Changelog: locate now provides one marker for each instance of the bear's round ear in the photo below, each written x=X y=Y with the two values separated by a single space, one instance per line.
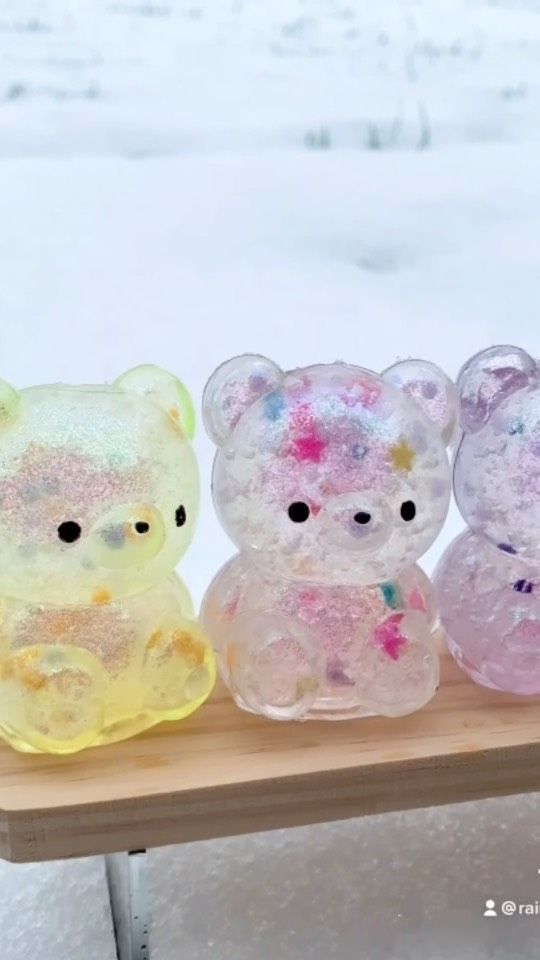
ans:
x=163 y=389
x=234 y=387
x=9 y=403
x=487 y=378
x=431 y=389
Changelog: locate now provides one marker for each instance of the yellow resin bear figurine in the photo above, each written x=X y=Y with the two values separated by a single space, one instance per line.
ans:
x=99 y=495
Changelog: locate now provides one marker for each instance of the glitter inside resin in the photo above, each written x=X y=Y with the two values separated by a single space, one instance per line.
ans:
x=99 y=495
x=488 y=580
x=332 y=481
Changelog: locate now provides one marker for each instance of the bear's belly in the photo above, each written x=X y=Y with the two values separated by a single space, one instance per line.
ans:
x=114 y=633
x=490 y=611
x=343 y=642
x=110 y=670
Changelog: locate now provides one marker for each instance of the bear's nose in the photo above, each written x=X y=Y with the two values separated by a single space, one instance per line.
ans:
x=359 y=526
x=131 y=534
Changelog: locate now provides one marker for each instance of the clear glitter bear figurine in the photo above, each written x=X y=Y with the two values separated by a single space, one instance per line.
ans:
x=488 y=580
x=332 y=481
x=99 y=494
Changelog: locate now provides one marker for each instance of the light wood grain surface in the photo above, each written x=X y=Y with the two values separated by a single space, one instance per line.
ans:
x=224 y=772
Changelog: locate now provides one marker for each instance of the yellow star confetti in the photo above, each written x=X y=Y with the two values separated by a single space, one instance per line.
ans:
x=402 y=456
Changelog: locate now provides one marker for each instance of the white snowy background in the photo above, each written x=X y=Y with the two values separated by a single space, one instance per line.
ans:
x=183 y=180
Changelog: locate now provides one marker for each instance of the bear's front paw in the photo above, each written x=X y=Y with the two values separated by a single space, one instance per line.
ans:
x=52 y=698
x=399 y=666
x=178 y=671
x=273 y=666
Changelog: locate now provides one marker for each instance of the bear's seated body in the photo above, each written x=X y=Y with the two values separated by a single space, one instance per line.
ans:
x=488 y=580
x=98 y=502
x=332 y=481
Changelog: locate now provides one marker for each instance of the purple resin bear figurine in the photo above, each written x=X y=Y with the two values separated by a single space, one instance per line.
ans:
x=332 y=481
x=488 y=580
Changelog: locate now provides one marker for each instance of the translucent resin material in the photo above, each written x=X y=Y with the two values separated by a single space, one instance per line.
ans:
x=488 y=580
x=332 y=481
x=99 y=495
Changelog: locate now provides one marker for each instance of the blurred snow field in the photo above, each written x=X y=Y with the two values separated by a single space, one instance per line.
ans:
x=142 y=77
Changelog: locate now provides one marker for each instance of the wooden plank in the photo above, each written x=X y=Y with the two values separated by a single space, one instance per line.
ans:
x=224 y=772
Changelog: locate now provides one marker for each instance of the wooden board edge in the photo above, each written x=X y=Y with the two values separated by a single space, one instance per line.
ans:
x=208 y=813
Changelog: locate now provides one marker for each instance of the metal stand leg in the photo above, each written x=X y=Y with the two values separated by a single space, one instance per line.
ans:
x=128 y=894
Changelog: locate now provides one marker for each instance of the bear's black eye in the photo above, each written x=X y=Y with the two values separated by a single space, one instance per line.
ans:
x=180 y=516
x=408 y=510
x=69 y=531
x=298 y=511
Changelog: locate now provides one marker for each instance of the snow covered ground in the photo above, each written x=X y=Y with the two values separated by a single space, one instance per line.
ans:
x=183 y=180
x=167 y=76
